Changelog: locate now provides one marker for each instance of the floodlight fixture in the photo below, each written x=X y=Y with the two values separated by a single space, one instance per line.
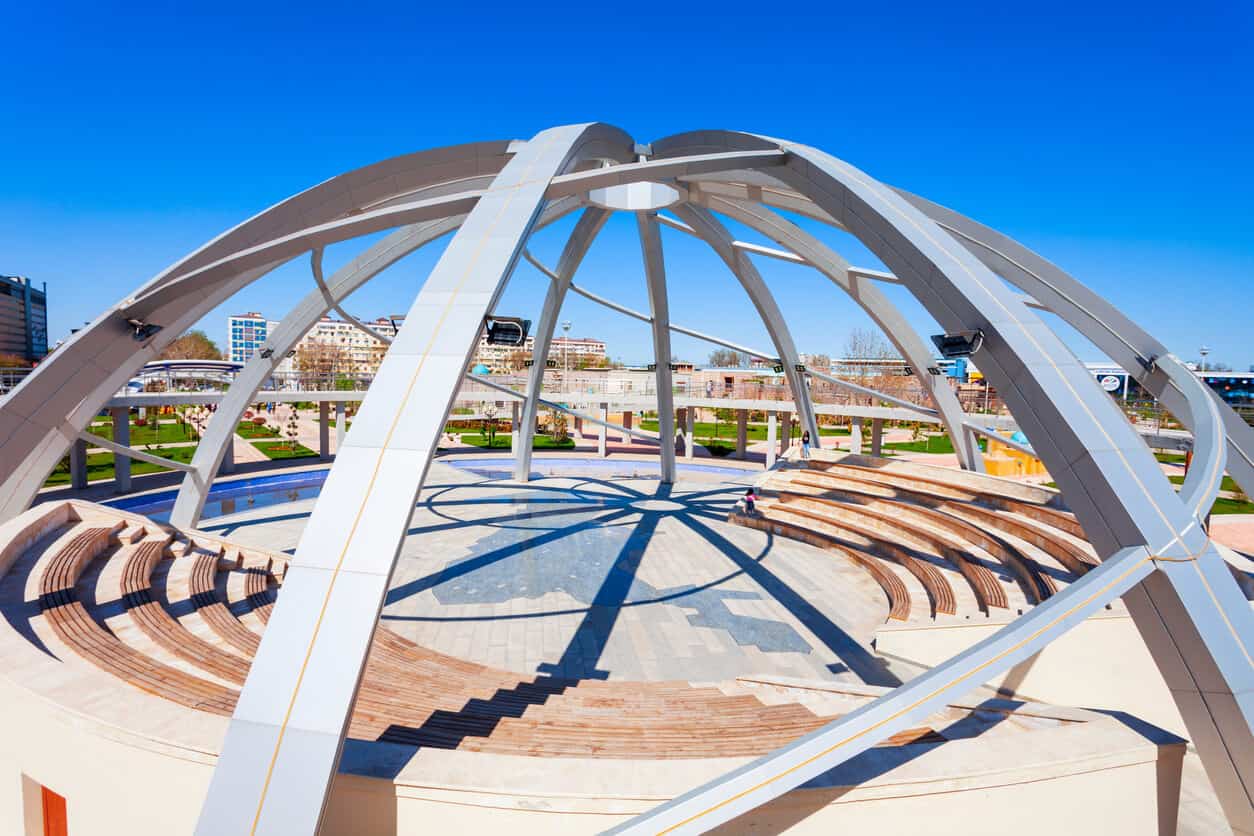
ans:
x=959 y=343
x=143 y=331
x=508 y=330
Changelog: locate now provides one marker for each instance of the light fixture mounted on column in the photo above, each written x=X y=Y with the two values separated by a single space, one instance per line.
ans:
x=959 y=343
x=143 y=331
x=507 y=330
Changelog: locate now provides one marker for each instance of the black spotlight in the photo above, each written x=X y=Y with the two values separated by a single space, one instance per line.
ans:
x=143 y=330
x=958 y=344
x=508 y=330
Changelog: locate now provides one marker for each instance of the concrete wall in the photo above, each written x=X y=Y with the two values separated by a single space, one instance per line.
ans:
x=118 y=784
x=1101 y=664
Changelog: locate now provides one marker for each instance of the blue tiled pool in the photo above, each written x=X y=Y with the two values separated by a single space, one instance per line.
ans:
x=261 y=491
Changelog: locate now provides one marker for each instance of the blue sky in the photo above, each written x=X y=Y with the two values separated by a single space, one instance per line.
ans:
x=1115 y=139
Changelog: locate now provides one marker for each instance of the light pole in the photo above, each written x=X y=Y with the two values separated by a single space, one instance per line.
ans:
x=1204 y=350
x=565 y=363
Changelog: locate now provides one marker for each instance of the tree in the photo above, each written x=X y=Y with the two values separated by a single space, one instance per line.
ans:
x=726 y=358
x=489 y=423
x=559 y=430
x=518 y=359
x=194 y=345
x=590 y=361
x=864 y=344
x=13 y=361
x=319 y=361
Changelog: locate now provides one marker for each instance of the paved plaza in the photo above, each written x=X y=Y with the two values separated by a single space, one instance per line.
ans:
x=610 y=578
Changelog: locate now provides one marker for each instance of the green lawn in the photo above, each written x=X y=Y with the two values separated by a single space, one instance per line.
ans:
x=150 y=433
x=727 y=429
x=1170 y=458
x=503 y=442
x=928 y=444
x=247 y=429
x=1228 y=484
x=100 y=465
x=1222 y=505
x=277 y=450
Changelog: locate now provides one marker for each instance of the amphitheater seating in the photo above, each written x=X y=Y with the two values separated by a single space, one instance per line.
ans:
x=973 y=545
x=409 y=694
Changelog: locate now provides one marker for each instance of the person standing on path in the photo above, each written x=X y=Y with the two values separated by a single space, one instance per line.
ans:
x=805 y=445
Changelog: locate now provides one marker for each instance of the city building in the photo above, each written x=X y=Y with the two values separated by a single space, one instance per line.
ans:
x=578 y=351
x=245 y=335
x=340 y=347
x=23 y=318
x=503 y=359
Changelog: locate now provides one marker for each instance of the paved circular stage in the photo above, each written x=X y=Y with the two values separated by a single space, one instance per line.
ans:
x=619 y=578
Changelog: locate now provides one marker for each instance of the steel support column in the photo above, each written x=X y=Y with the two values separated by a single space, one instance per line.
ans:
x=659 y=311
x=122 y=435
x=285 y=736
x=713 y=233
x=603 y=431
x=590 y=223
x=770 y=440
x=324 y=430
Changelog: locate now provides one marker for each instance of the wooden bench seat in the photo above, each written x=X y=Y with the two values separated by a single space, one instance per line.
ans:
x=409 y=694
x=986 y=586
x=894 y=589
x=1035 y=584
x=939 y=592
x=203 y=594
x=162 y=628
x=75 y=627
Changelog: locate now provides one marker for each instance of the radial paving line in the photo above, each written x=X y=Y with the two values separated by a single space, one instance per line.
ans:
x=641 y=825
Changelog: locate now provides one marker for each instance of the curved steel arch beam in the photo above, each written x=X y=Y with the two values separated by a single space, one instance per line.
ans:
x=1126 y=343
x=659 y=312
x=193 y=491
x=190 y=503
x=872 y=300
x=1201 y=483
x=345 y=193
x=716 y=236
x=581 y=238
x=77 y=378
x=315 y=266
x=284 y=739
x=1195 y=620
x=42 y=415
x=297 y=241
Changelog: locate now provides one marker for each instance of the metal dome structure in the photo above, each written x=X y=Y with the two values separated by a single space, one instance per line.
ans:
x=287 y=732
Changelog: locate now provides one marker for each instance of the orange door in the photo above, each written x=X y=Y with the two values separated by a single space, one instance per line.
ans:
x=55 y=823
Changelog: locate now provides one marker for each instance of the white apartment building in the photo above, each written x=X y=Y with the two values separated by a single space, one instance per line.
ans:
x=498 y=358
x=359 y=353
x=501 y=359
x=576 y=348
